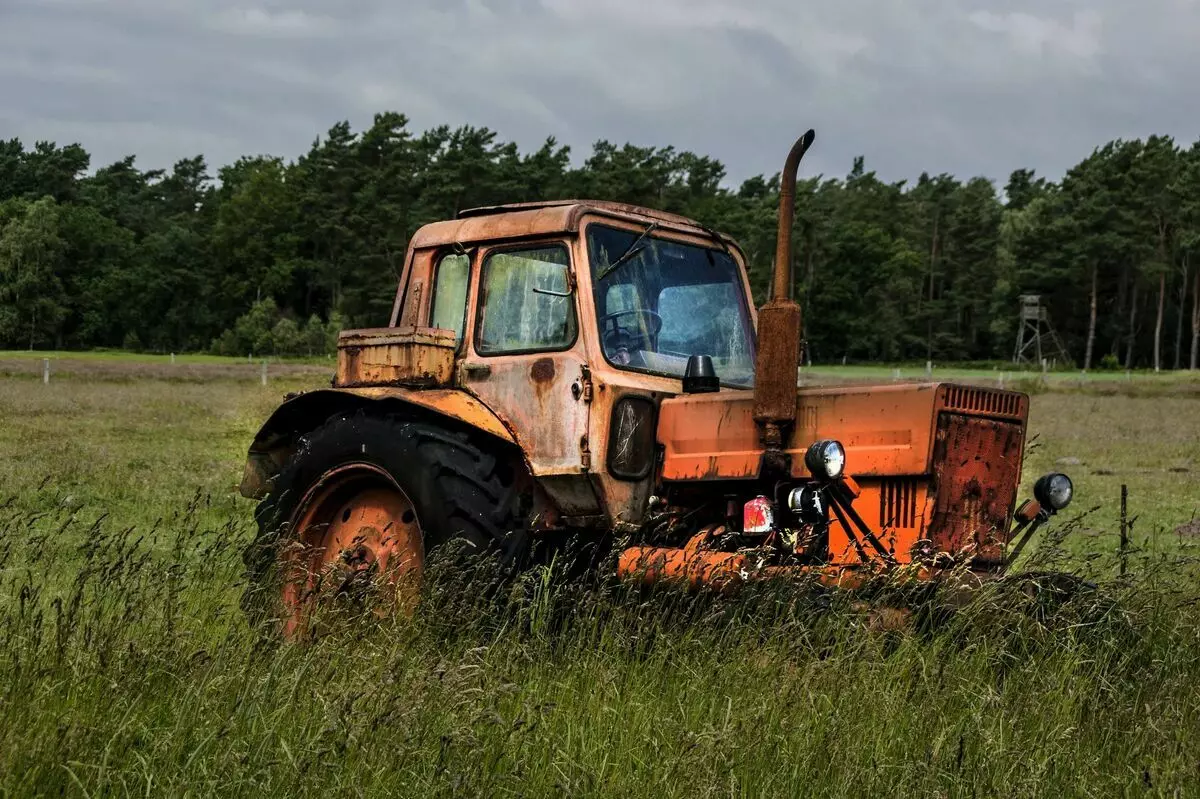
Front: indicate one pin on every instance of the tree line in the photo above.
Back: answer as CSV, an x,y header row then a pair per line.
x,y
270,256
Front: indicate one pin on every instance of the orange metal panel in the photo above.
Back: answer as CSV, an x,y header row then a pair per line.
x,y
411,309
514,225
897,508
886,431
448,402
306,410
416,357
696,567
540,396
529,220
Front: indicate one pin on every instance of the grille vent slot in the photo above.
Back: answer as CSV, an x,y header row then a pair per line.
x,y
983,400
898,504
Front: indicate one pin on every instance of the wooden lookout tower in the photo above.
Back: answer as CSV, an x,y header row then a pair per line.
x,y
1037,342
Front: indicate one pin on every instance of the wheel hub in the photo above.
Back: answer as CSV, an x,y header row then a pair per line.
x,y
357,538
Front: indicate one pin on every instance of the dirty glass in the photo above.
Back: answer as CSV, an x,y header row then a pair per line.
x,y
667,301
525,303
450,294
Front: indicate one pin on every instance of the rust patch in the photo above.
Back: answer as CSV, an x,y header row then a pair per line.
x,y
542,370
422,357
778,358
976,468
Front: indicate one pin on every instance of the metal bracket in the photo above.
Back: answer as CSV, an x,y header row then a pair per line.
x,y
842,504
1030,527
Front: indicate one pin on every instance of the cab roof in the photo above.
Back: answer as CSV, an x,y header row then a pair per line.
x,y
530,219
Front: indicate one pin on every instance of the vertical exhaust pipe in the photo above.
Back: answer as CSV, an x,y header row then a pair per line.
x,y
779,330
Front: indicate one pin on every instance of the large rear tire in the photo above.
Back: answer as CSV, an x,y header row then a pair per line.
x,y
362,504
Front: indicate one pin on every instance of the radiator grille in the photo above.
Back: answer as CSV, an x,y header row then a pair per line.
x,y
976,469
898,504
983,400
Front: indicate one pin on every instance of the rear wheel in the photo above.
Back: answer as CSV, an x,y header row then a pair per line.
x,y
352,518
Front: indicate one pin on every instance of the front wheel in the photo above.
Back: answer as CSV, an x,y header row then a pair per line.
x,y
353,516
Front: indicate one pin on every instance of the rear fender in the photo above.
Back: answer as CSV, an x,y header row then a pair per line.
x,y
277,438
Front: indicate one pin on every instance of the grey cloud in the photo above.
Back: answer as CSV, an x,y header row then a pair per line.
x,y
969,88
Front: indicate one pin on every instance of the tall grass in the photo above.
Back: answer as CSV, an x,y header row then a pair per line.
x,y
127,667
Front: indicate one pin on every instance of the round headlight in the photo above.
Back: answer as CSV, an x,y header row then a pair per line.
x,y
1054,490
826,459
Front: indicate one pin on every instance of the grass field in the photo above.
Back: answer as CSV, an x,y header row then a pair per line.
x,y
126,667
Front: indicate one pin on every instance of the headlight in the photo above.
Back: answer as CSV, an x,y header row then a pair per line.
x,y
631,438
1054,490
807,503
826,459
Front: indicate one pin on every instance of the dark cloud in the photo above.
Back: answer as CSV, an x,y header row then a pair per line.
x,y
968,87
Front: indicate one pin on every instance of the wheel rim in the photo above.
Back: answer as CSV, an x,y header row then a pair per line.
x,y
356,537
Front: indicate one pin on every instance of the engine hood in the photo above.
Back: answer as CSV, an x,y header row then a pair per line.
x,y
887,430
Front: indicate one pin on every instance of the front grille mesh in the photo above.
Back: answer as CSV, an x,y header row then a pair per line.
x,y
983,400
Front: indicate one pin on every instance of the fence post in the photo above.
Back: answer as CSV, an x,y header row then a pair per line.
x,y
264,371
1124,527
172,358
45,370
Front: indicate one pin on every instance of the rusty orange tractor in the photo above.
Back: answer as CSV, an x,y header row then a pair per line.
x,y
599,368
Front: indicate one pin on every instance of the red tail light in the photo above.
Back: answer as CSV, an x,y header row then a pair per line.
x,y
758,516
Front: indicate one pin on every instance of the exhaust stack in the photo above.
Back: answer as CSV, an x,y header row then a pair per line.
x,y
779,329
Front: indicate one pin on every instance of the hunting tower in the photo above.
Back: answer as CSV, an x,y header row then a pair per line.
x,y
1036,339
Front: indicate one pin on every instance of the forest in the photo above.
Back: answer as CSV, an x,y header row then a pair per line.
x,y
270,256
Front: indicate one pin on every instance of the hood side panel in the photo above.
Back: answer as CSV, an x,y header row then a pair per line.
x,y
887,430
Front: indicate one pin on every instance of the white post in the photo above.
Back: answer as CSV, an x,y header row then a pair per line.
x,y
264,371
172,357
929,367
895,374
46,370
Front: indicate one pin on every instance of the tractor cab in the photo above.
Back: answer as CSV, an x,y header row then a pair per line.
x,y
570,322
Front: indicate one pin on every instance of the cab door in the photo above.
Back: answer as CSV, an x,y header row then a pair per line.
x,y
525,360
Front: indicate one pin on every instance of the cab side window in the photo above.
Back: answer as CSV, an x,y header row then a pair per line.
x,y
450,293
525,305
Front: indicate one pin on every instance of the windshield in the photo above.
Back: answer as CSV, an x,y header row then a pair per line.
x,y
665,300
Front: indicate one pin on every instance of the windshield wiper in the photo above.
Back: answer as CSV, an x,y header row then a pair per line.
x,y
719,240
630,251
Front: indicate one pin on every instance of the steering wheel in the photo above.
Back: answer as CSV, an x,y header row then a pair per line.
x,y
617,337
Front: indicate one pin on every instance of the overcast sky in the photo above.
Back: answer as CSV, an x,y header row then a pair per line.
x,y
961,86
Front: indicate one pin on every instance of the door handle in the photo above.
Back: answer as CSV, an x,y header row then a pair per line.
x,y
477,371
